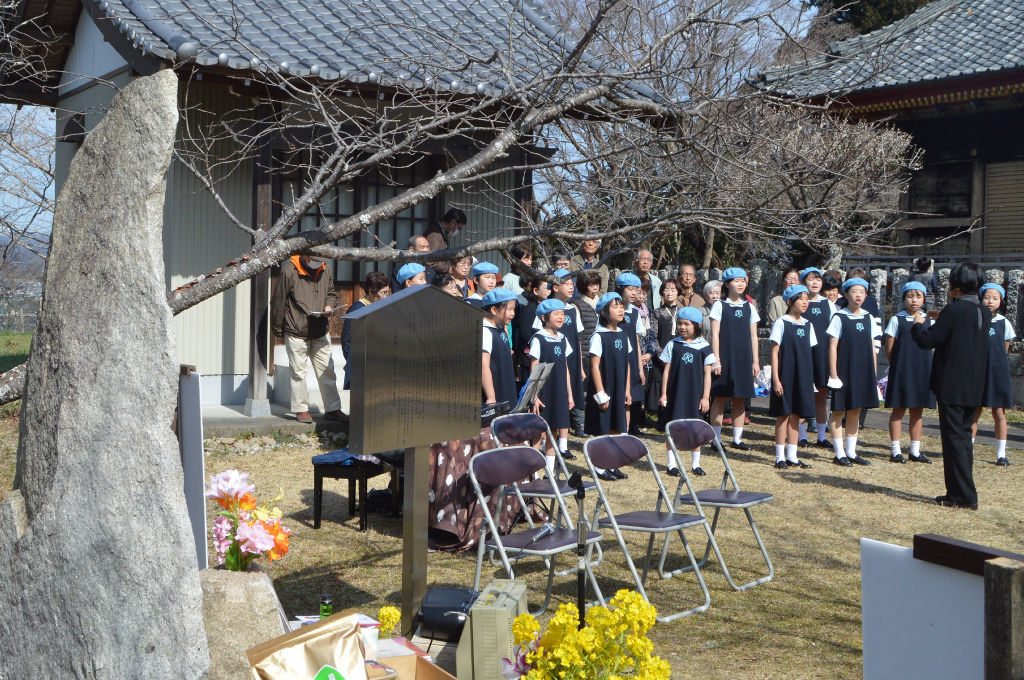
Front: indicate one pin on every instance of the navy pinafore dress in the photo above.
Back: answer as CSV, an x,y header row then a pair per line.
x,y
614,358
735,354
855,364
910,368
998,393
685,380
628,326
819,313
502,371
796,373
555,393
572,336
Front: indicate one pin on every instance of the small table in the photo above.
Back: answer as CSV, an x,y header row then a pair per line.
x,y
341,464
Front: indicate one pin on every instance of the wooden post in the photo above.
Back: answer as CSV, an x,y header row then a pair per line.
x,y
1004,619
414,533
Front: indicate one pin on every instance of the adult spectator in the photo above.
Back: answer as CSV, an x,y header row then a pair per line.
x,y
417,244
588,291
439,235
589,257
513,280
561,258
688,296
644,264
923,274
303,293
712,294
959,337
777,306
375,287
460,268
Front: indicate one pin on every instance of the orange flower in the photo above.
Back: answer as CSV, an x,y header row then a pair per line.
x,y
247,502
280,534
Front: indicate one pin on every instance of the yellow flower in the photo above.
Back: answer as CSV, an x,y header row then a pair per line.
x,y
389,618
524,628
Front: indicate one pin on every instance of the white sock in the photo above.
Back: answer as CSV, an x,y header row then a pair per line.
x,y
837,444
737,433
671,460
851,447
1001,448
550,464
803,431
599,470
896,448
972,441
563,444
915,448
718,431
821,431
791,453
695,459
780,453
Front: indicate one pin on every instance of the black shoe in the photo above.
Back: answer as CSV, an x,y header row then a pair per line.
x,y
619,474
699,471
567,455
897,458
920,459
636,431
800,464
739,447
802,442
673,472
844,461
860,460
607,476
823,444
947,502
1002,462
781,465
580,432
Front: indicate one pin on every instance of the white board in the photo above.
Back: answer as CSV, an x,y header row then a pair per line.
x,y
919,620
190,440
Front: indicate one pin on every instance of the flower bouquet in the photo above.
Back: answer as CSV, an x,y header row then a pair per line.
x,y
612,644
243,530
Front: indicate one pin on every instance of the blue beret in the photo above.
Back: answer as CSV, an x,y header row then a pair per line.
x,y
793,291
993,286
627,279
605,299
733,273
691,314
549,305
409,270
913,285
855,281
562,273
496,297
483,268
811,270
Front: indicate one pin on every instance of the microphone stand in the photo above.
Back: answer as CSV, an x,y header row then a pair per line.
x,y
576,482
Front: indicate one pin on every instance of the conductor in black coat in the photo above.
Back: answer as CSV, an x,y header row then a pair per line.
x,y
959,367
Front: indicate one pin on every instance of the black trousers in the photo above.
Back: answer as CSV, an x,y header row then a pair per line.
x,y
958,451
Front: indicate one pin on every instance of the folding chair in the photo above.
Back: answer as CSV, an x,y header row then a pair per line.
x,y
687,435
502,467
613,451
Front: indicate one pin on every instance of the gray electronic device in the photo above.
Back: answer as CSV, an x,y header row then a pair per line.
x,y
487,637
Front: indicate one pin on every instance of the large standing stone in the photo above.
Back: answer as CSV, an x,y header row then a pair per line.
x,y
942,294
98,561
877,280
900,276
1014,278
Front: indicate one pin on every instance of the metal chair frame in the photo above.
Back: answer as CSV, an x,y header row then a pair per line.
x,y
629,450
501,468
722,498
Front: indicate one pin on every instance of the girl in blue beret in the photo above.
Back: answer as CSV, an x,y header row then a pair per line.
x,y
734,343
998,394
792,398
497,370
686,378
550,346
608,383
627,285
819,312
910,369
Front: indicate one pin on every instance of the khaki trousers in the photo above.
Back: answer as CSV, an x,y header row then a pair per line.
x,y
318,352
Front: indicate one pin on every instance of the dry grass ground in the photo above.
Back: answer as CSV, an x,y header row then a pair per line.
x,y
804,624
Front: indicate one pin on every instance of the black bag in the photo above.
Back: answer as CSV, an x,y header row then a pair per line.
x,y
443,613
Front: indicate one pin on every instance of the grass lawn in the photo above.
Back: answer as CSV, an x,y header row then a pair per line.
x,y
804,624
13,349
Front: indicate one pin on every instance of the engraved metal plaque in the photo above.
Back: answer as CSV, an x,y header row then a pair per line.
x,y
415,371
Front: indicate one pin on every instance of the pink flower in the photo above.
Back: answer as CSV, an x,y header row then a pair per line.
x,y
229,485
222,536
254,539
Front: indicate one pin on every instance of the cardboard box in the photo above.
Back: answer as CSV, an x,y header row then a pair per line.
x,y
413,667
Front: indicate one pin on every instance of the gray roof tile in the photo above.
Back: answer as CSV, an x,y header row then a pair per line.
x,y
943,40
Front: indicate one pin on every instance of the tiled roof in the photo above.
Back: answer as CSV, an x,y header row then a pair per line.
x,y
358,41
944,40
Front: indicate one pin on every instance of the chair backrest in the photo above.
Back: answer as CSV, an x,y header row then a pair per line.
x,y
615,451
506,465
689,434
515,428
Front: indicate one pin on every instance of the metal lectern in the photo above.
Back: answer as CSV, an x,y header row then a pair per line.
x,y
414,365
